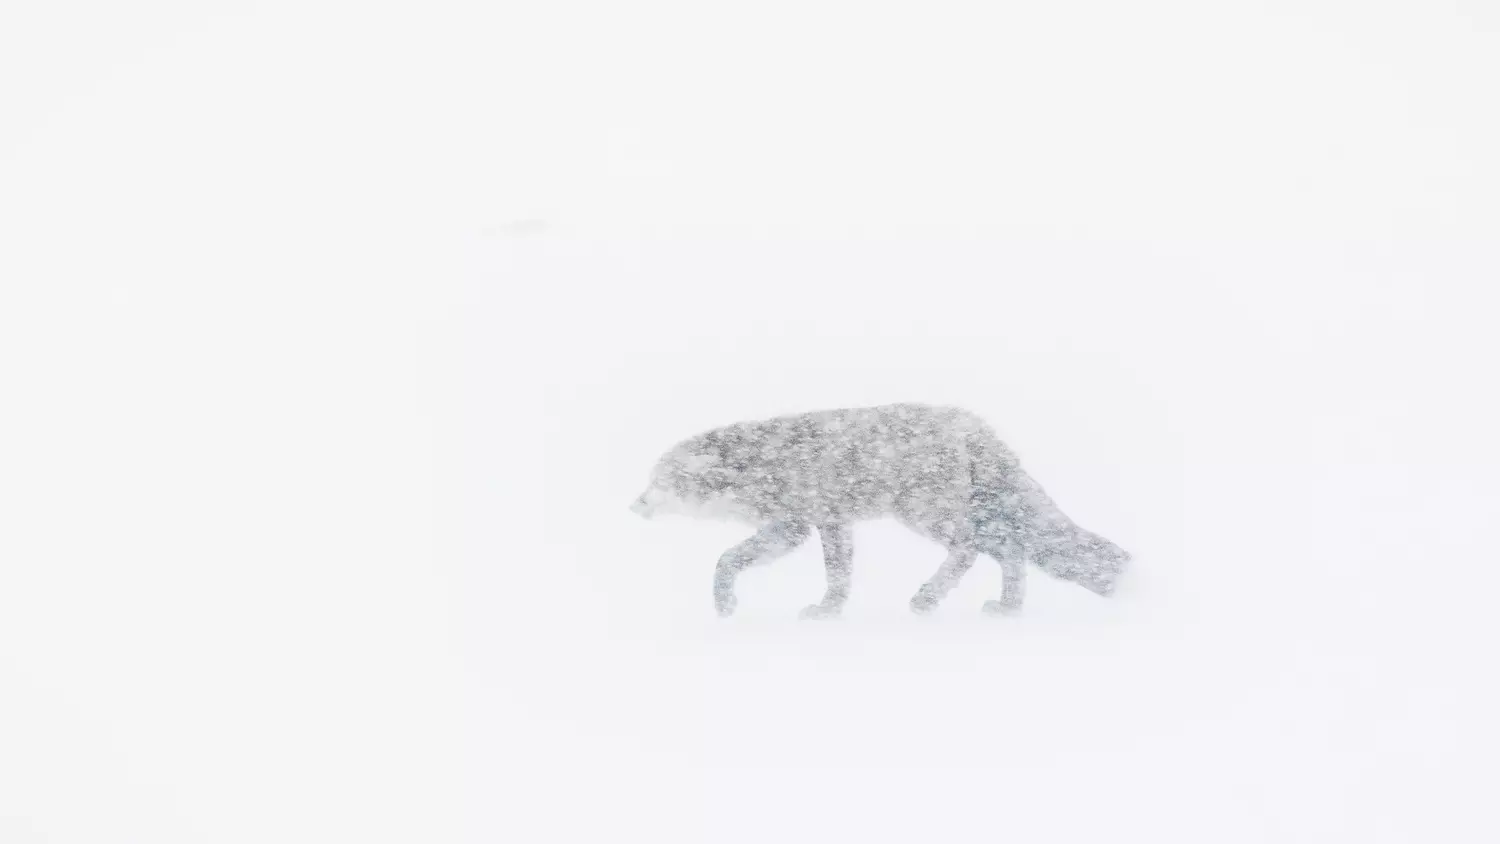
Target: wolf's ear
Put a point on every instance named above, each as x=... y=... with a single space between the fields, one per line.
x=698 y=462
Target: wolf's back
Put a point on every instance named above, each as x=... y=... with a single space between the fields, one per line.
x=849 y=463
x=859 y=461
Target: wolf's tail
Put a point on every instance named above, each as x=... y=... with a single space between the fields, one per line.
x=1013 y=515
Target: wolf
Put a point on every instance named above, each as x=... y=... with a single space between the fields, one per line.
x=939 y=470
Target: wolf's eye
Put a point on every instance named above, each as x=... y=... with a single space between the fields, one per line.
x=716 y=479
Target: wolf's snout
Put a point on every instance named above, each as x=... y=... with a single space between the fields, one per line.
x=641 y=508
x=1103 y=586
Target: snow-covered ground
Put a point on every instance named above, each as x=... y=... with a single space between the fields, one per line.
x=335 y=343
x=1262 y=430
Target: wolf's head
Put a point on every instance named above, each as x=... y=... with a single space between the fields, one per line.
x=690 y=480
x=1089 y=560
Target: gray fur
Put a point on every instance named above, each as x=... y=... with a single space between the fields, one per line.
x=941 y=471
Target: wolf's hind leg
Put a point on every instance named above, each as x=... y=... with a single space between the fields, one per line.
x=838 y=562
x=774 y=540
x=961 y=555
x=1014 y=589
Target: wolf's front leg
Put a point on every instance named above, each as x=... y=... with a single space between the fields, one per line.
x=838 y=562
x=772 y=541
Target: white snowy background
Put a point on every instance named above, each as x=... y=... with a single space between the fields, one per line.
x=335 y=340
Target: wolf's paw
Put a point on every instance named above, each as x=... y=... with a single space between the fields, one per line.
x=923 y=602
x=724 y=605
x=819 y=612
x=1001 y=607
